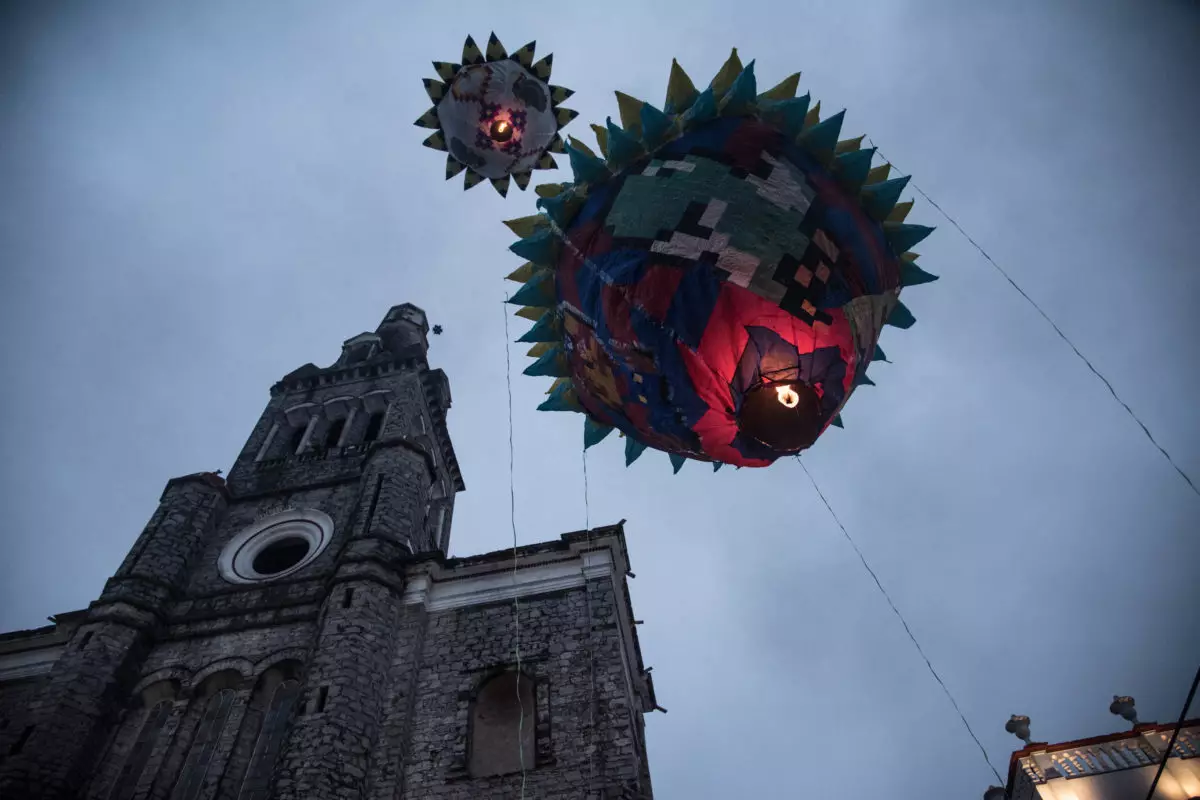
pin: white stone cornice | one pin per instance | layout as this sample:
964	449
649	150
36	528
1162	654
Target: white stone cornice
29	663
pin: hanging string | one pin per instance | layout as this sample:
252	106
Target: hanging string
512	505
1057	329
900	616
1187	704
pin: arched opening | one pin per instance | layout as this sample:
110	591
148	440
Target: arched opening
502	726
213	703
154	708
264	728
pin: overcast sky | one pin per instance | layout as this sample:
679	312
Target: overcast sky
196	198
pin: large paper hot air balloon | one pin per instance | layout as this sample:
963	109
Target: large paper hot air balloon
714	284
496	115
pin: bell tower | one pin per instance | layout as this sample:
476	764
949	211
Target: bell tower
297	629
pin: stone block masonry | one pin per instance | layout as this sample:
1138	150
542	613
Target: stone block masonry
299	631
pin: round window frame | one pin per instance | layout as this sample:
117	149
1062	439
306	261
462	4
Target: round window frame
236	562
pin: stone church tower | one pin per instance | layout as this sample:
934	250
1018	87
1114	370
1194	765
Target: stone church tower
298	631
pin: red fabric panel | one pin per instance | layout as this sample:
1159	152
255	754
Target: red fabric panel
655	291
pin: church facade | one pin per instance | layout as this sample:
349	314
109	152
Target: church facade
298	630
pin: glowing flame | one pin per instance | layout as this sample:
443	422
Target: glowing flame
787	396
501	130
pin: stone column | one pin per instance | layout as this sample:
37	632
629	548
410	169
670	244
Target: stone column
76	710
328	750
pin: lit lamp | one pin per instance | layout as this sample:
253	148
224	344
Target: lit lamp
501	130
1018	726
1123	707
783	416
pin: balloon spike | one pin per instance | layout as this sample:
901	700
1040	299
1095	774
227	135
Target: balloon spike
879	355
495	50
521	179
726	75
437	141
622	148
853	167
784	90
435	89
677	461
742	95
655	125
585	166
541	69
471	53
552	365
541	249
901	317
453	166
633	450
630	111
537	292
880	198
837	422
525	227
524	56
902	236
594	432
472	179
681	92
601	137
544	331
429	120
445	70
912	275
521	274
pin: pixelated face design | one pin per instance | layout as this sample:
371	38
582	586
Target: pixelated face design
497	118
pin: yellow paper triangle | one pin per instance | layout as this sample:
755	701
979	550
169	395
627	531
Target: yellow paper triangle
879	174
526	226
523	273
540	349
530	313
557	383
727	74
784	90
814	116
580	146
680	89
900	211
630	109
848	145
548	190
601	138
910	257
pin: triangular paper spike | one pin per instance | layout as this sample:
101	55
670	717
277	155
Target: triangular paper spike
437	141
863	380
880	198
622	148
821	138
472	179
630	111
594	432
550	189
530	313
655	125
912	275
879	355
559	94
601	138
501	185
837	422
445	70
539	350
727	74
543	331
814	115
495	50
557	145
537	291
429	120
541	249
584	164
551	365
742	95
560	208
909	256
562	399
453	166
850	145
704	109
541	69
526	226
471	53
521	179
900	212
563	116
633	449
524	56
578	145
879	174
902	237
901	317
681	92
522	274
854	166
677	461
546	162
784	90
435	89
788	114
717	465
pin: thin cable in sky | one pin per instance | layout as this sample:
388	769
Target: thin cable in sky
903	622
1057	329
512	506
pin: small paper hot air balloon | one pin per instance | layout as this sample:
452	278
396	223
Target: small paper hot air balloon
715	282
495	115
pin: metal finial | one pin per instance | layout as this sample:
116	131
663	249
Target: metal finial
1123	707
1018	726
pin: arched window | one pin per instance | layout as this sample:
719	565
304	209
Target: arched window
502	726
261	739
215	700
155	707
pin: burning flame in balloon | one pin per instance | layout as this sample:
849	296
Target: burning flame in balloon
501	130
787	396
